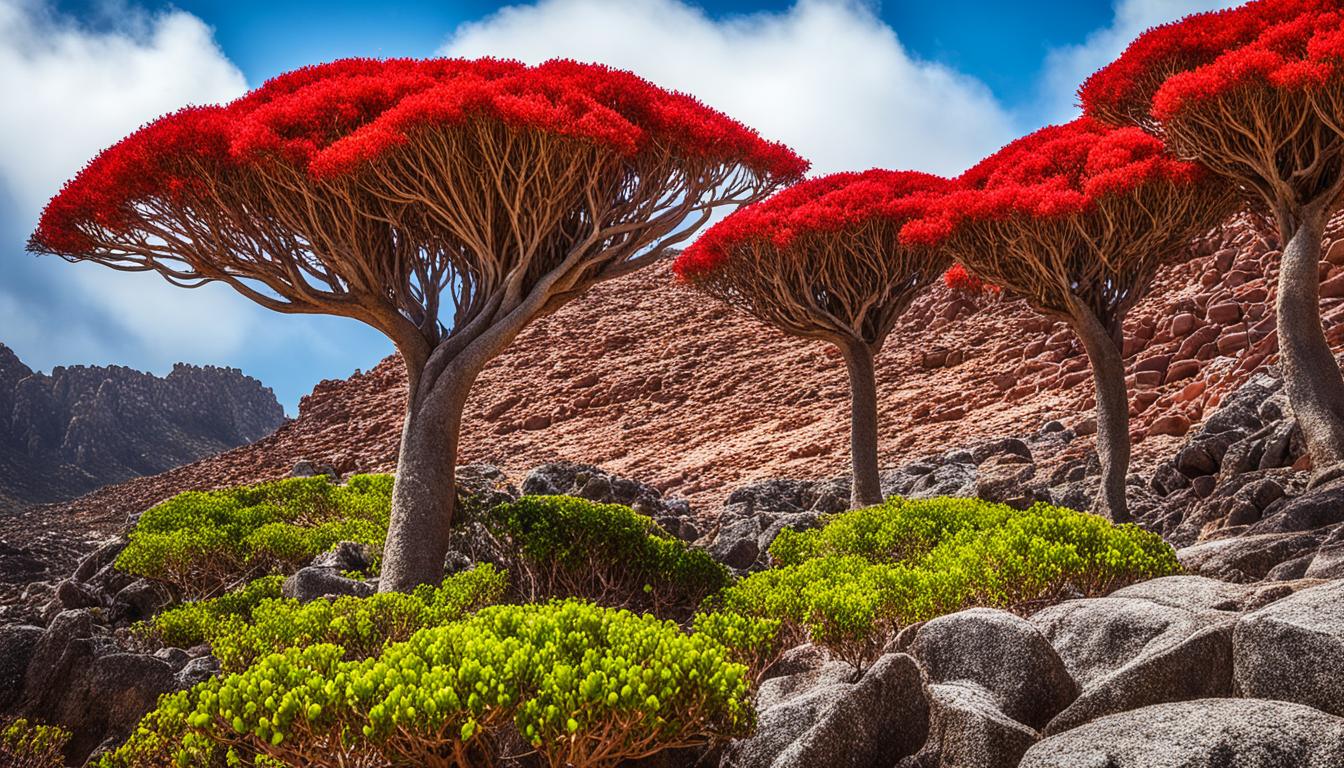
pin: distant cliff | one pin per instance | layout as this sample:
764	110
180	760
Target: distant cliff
78	428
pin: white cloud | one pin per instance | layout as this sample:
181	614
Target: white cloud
1066	68
826	77
70	91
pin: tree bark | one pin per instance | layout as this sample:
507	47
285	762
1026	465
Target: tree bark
866	488
1310	374
1103	343
425	490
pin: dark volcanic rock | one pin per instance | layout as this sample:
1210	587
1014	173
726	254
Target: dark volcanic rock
68	432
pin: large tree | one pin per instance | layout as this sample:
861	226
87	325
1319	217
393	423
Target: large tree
1256	93
822	260
1076	219
447	203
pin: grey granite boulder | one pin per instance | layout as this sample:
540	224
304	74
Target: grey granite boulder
968	730
870	723
1127	653
1293	649
313	582
1195	593
1208	733
1005	655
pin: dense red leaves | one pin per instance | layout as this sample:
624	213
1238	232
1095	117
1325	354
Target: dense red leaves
333	119
836	203
1284	44
1058	171
958	278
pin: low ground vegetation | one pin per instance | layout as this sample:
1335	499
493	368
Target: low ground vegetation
626	642
581	684
25	744
607	553
853	583
204	543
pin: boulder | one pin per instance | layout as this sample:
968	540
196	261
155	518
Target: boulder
1247	558
1127	653
967	730
110	698
139	600
737	543
1293	649
17	645
198	670
1210	733
345	556
1193	593
1003	478
73	595
1316	508
1002	653
313	582
871	723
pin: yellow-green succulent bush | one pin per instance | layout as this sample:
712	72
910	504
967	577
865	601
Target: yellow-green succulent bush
27	744
201	542
851	584
582	685
608	553
360	625
196	621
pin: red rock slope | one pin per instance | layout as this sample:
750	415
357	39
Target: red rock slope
654	382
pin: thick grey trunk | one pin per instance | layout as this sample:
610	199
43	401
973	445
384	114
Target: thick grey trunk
424	493
866	489
1103	345
1310	374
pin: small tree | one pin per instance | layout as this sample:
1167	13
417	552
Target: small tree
1076	219
446	203
1256	93
822	260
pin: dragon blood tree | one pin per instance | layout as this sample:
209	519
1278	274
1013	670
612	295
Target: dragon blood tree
1256	93
1076	219
447	203
822	260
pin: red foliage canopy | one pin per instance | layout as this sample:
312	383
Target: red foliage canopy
1056	172
1072	216
827	205
822	259
1280	44
341	118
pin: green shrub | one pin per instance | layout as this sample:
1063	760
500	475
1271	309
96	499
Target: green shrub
851	584
607	553
360	625
583	685
193	623
202	542
25	744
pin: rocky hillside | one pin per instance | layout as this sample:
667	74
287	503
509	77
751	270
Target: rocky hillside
66	433
652	381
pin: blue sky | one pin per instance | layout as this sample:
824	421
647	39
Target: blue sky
929	86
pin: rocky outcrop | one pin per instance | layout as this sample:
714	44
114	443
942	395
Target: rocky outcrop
1293	649
80	427
873	720
1211	733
